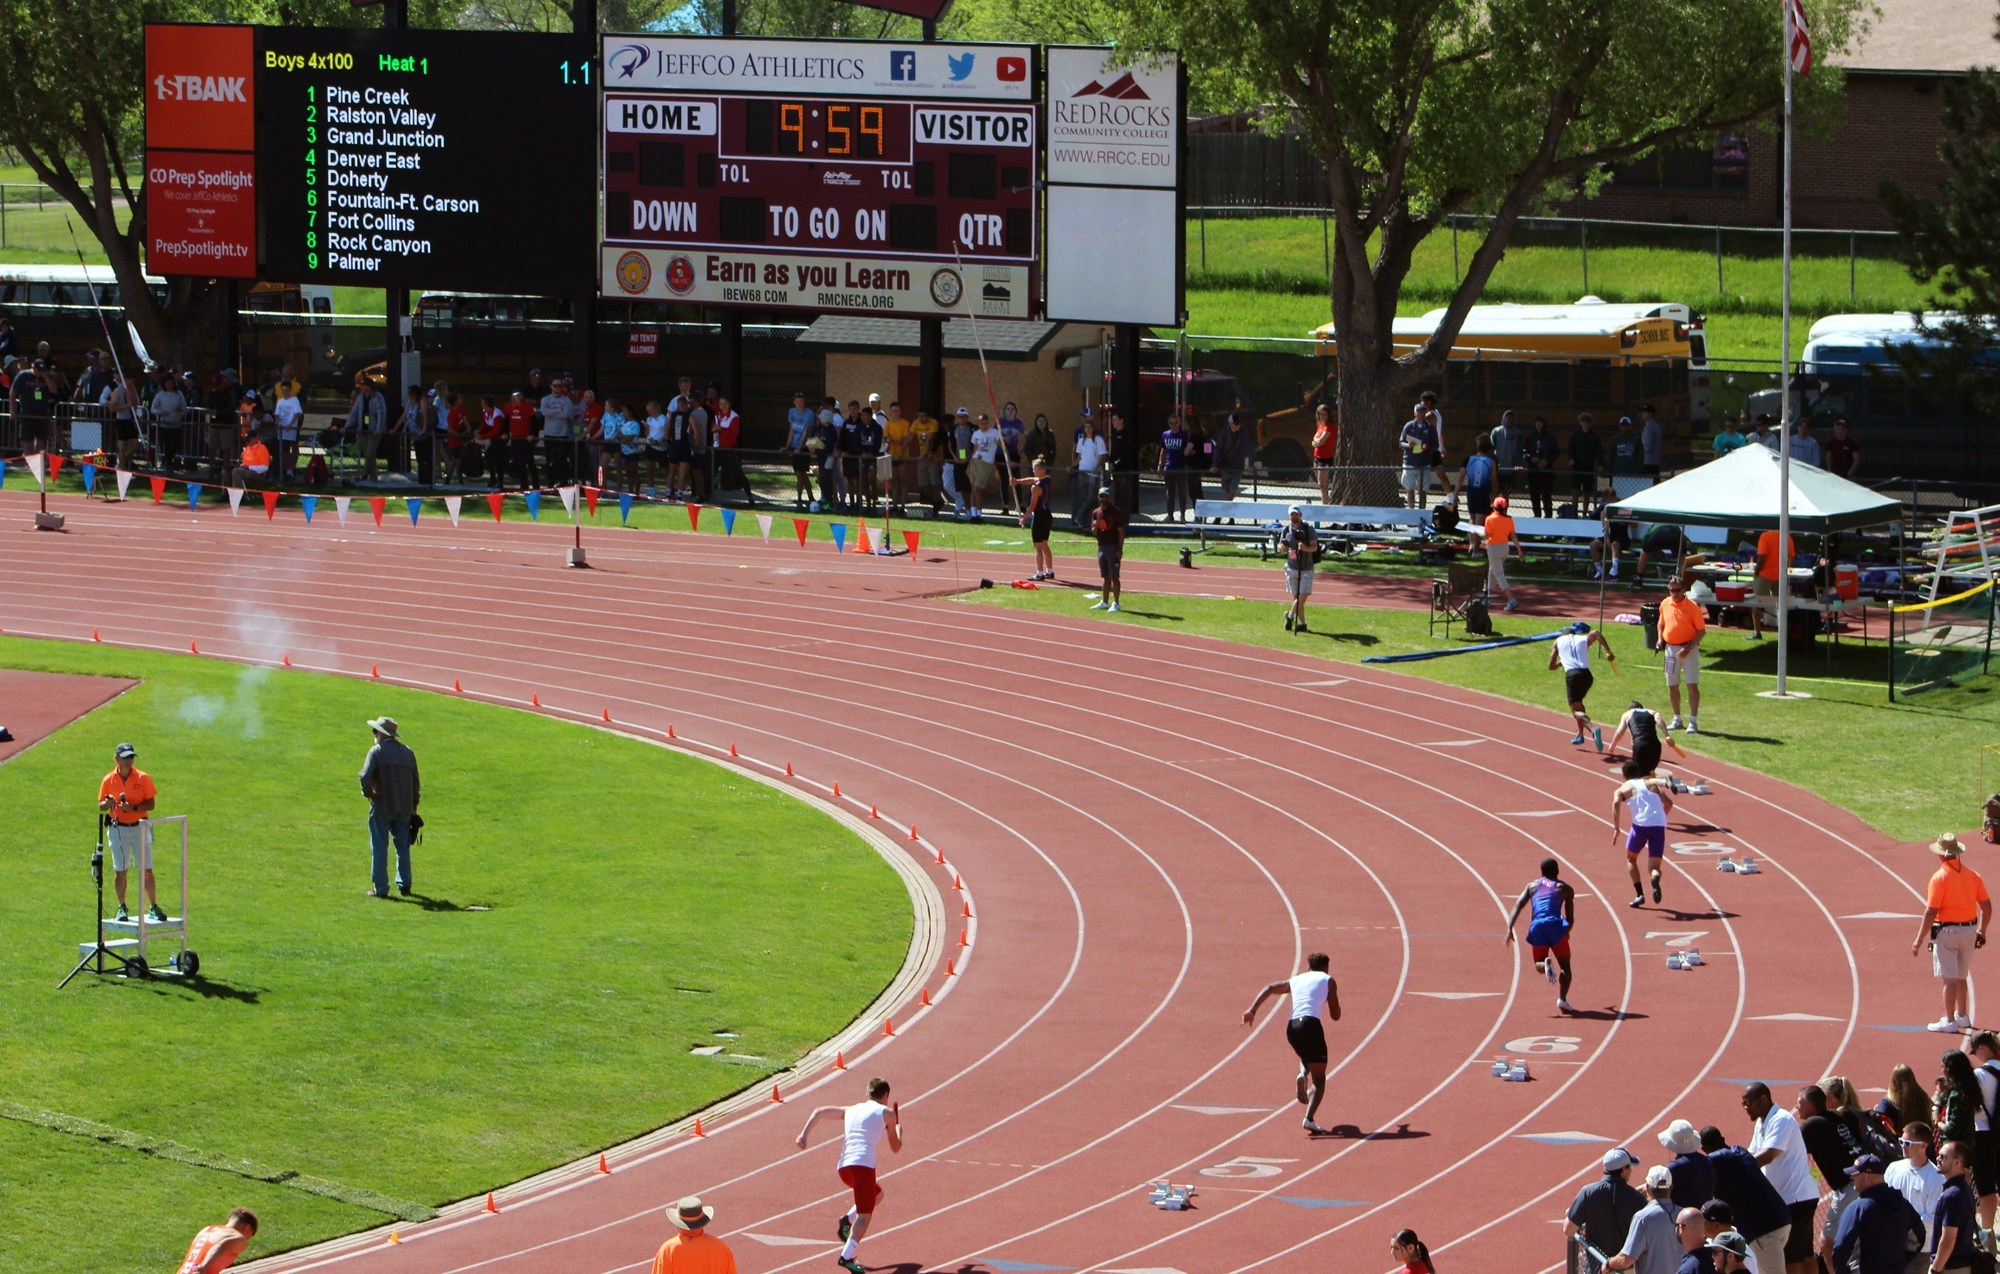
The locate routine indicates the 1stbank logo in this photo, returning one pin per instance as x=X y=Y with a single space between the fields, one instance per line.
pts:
x=199 y=88
x=1124 y=89
x=902 y=64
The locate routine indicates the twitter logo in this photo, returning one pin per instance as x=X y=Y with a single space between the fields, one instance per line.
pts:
x=961 y=66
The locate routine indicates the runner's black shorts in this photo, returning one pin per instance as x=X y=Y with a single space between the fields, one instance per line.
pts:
x=1307 y=1038
x=1577 y=683
x=1039 y=523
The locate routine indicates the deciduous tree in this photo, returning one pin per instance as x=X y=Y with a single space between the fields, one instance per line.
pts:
x=1425 y=108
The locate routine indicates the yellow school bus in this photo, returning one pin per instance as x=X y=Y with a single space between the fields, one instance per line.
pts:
x=1553 y=360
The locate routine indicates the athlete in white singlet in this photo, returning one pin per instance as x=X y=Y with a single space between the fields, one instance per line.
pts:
x=1312 y=993
x=863 y=1126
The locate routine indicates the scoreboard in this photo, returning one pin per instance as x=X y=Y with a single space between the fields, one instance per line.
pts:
x=382 y=158
x=856 y=176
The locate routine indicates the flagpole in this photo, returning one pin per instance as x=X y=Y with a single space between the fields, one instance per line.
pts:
x=1784 y=614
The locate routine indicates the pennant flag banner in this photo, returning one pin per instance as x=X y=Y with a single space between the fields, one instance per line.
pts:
x=568 y=495
x=764 y=526
x=307 y=503
x=271 y=506
x=89 y=477
x=37 y=466
x=376 y=504
x=493 y=501
x=800 y=525
x=694 y=517
x=590 y=495
x=194 y=495
x=839 y=536
x=533 y=500
x=729 y=521
x=910 y=542
x=235 y=500
x=416 y=505
x=55 y=465
x=341 y=504
x=452 y=504
x=124 y=481
x=159 y=486
x=624 y=506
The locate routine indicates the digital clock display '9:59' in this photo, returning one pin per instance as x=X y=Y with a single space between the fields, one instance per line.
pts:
x=816 y=129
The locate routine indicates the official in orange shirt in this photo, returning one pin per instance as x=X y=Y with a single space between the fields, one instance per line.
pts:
x=216 y=1248
x=256 y=463
x=1682 y=624
x=694 y=1250
x=1769 y=564
x=126 y=796
x=1957 y=912
x=1500 y=541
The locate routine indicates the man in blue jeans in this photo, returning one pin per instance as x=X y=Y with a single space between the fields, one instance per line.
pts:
x=389 y=781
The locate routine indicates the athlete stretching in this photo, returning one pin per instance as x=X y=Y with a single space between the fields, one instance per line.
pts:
x=1311 y=992
x=864 y=1124
x=1548 y=926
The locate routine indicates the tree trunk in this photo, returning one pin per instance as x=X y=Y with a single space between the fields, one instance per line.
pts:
x=1370 y=419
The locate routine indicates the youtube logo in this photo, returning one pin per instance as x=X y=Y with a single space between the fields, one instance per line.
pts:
x=1011 y=68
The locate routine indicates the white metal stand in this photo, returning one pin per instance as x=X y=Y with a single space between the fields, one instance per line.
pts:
x=137 y=936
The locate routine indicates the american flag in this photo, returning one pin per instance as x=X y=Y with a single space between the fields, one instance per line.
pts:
x=1797 y=37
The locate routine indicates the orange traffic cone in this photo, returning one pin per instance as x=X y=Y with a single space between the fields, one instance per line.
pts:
x=965 y=911
x=871 y=810
x=913 y=831
x=94 y=636
x=836 y=789
x=607 y=716
x=288 y=663
x=963 y=940
x=697 y=1128
x=490 y=1205
x=957 y=883
x=374 y=672
x=940 y=854
x=670 y=729
x=732 y=747
x=775 y=1095
x=949 y=970
x=839 y=1062
x=535 y=699
x=394 y=1237
x=603 y=1168
x=927 y=997
x=193 y=649
x=788 y=769
x=456 y=688
x=888 y=1026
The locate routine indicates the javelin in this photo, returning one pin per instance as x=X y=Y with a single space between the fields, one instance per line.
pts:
x=985 y=373
x=110 y=345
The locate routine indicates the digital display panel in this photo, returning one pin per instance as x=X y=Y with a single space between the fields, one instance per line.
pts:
x=426 y=159
x=893 y=186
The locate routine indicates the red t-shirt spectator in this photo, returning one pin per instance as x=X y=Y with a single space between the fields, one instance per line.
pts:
x=593 y=422
x=727 y=428
x=520 y=417
x=490 y=427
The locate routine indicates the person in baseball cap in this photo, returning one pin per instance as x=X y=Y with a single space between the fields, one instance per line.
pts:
x=1608 y=1204
x=691 y=1249
x=1729 y=1252
x=127 y=797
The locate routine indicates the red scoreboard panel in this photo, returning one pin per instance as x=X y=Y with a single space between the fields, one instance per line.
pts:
x=874 y=188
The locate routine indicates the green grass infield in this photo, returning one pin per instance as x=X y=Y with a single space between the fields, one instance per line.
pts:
x=1846 y=743
x=587 y=910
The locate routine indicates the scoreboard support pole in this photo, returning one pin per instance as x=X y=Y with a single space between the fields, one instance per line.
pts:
x=228 y=350
x=584 y=312
x=930 y=369
x=1125 y=401
x=395 y=301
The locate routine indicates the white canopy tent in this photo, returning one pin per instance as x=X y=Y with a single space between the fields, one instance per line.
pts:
x=1741 y=490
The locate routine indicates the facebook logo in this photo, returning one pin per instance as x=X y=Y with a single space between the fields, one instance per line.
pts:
x=902 y=64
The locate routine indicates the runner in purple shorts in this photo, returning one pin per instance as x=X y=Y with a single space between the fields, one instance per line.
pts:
x=1650 y=800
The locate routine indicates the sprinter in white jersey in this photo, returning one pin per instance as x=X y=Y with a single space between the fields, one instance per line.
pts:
x=1312 y=992
x=863 y=1126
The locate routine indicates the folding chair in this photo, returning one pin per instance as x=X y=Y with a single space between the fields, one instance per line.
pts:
x=1462 y=582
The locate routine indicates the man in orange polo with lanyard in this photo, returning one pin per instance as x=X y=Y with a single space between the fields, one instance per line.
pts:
x=1681 y=627
x=1957 y=912
x=126 y=796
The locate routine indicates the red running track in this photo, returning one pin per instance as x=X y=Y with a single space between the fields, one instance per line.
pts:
x=1149 y=827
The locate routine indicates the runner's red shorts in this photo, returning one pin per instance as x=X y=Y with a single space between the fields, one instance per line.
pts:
x=1560 y=951
x=862 y=1181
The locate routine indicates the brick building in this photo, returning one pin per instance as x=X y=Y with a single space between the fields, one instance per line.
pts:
x=1889 y=130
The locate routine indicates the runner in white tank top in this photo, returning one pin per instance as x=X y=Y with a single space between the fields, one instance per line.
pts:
x=1312 y=992
x=863 y=1125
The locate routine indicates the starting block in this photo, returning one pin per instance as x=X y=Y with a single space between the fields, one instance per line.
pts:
x=1170 y=1198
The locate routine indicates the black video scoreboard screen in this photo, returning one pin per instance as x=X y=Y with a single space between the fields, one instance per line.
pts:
x=455 y=160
